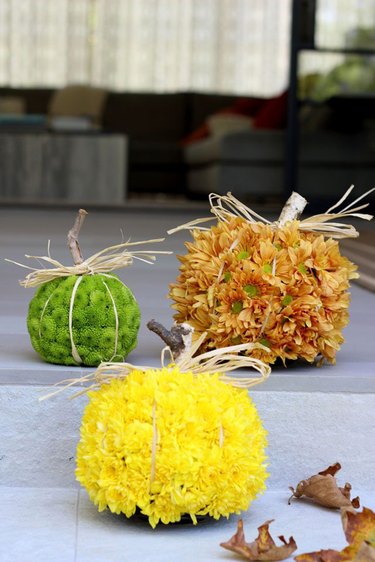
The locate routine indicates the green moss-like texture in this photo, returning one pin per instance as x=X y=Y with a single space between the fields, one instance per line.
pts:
x=93 y=320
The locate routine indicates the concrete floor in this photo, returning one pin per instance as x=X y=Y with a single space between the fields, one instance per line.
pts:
x=314 y=417
x=27 y=231
x=59 y=525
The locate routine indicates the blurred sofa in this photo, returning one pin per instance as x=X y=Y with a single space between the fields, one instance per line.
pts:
x=251 y=164
x=193 y=143
x=155 y=124
x=336 y=148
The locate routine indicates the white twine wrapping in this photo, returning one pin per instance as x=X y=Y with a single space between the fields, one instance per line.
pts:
x=227 y=207
x=42 y=315
x=220 y=361
x=75 y=353
x=116 y=318
x=154 y=444
x=105 y=261
x=221 y=436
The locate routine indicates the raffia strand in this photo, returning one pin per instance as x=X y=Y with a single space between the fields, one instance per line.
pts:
x=227 y=207
x=222 y=361
x=105 y=261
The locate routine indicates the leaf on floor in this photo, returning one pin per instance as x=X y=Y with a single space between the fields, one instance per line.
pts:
x=321 y=556
x=263 y=548
x=322 y=488
x=359 y=529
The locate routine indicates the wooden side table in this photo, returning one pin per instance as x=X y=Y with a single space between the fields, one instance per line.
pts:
x=72 y=167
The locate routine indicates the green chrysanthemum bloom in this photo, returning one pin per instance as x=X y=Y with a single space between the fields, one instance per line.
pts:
x=83 y=320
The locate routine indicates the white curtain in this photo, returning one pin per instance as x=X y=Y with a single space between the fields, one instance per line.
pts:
x=206 y=45
x=238 y=46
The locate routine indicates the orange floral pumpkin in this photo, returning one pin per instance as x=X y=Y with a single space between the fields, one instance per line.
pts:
x=277 y=284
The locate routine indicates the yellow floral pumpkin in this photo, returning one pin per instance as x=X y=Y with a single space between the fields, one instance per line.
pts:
x=169 y=443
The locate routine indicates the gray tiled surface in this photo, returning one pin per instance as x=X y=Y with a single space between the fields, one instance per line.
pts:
x=28 y=230
x=38 y=525
x=305 y=429
x=61 y=525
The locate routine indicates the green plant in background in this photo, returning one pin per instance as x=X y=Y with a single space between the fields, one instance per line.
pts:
x=361 y=38
x=354 y=76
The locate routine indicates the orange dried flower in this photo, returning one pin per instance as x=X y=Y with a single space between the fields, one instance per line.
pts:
x=251 y=282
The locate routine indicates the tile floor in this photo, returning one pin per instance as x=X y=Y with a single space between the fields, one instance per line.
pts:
x=28 y=231
x=41 y=524
x=61 y=525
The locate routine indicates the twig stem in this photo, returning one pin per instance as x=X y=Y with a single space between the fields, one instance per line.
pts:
x=73 y=234
x=175 y=338
x=292 y=208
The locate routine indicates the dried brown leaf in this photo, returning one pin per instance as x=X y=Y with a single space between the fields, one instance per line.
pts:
x=263 y=548
x=322 y=488
x=321 y=556
x=331 y=470
x=359 y=529
x=359 y=525
x=366 y=553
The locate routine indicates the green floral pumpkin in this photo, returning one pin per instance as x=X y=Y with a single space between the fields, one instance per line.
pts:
x=83 y=320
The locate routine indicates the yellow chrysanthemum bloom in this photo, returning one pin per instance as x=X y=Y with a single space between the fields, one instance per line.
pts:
x=170 y=443
x=282 y=287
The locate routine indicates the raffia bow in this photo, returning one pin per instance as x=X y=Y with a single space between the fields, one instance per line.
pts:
x=221 y=361
x=105 y=261
x=227 y=207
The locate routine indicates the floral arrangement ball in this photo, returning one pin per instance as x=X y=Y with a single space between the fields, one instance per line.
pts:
x=251 y=282
x=169 y=443
x=83 y=320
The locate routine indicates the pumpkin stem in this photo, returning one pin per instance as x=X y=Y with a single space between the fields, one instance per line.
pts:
x=178 y=338
x=292 y=208
x=294 y=494
x=73 y=233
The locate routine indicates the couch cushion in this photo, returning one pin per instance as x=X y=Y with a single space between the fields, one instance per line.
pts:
x=85 y=101
x=201 y=106
x=267 y=146
x=36 y=99
x=12 y=105
x=244 y=181
x=273 y=114
x=238 y=147
x=224 y=124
